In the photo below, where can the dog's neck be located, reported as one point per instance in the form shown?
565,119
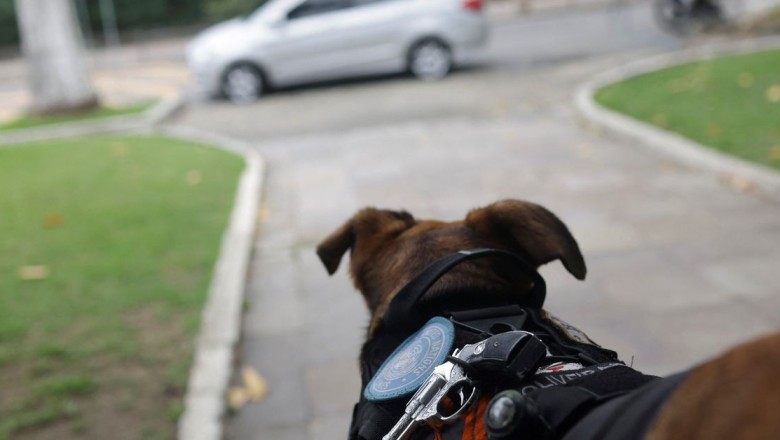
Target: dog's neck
444,298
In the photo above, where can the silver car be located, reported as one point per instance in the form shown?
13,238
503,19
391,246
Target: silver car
288,42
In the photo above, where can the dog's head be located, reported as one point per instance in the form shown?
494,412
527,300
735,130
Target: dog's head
388,248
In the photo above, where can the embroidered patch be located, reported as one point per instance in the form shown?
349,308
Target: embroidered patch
412,362
569,330
560,366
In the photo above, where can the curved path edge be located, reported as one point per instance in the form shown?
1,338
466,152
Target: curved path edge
204,403
154,115
749,175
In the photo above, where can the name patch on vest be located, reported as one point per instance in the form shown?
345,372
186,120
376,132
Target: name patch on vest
551,376
412,362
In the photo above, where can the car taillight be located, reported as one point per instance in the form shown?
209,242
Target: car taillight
473,5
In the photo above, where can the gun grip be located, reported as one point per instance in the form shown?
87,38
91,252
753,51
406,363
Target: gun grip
511,354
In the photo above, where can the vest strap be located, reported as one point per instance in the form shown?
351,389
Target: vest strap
403,317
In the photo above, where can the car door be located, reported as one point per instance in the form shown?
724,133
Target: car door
376,30
323,39
307,43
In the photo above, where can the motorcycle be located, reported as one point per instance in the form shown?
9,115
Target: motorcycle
687,17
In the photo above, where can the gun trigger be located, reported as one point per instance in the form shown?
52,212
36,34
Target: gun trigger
465,406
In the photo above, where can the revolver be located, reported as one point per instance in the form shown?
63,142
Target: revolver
451,389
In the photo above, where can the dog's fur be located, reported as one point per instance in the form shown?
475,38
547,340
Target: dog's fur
732,397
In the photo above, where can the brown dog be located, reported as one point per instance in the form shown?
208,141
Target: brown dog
733,397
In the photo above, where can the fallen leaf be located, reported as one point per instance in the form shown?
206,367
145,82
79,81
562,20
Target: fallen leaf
53,220
774,153
264,213
660,120
594,129
424,140
237,397
511,134
194,177
669,168
740,183
713,130
745,80
256,386
773,93
501,110
678,85
584,150
119,149
38,272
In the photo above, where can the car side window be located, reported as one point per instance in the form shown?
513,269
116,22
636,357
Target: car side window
367,2
316,7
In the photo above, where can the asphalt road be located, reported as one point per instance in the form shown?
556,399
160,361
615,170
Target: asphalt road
681,265
519,47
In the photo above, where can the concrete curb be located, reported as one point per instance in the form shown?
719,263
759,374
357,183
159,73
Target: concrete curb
153,116
685,150
204,404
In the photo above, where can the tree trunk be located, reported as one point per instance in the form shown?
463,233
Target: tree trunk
54,50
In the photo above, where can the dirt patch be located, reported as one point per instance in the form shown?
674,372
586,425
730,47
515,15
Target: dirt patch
138,392
181,278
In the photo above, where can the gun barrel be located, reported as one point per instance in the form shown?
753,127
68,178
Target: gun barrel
422,398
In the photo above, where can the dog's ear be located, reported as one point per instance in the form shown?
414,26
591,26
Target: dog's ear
538,233
365,230
335,246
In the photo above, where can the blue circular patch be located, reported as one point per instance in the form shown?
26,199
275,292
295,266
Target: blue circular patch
412,362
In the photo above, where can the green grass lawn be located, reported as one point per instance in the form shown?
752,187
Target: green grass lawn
106,250
731,104
103,112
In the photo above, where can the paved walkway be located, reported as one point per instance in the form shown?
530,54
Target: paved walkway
681,265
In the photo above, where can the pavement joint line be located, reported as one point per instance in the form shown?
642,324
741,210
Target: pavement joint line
669,143
220,328
150,117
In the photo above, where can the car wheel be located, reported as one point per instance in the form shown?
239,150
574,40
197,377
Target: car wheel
430,60
242,83
676,18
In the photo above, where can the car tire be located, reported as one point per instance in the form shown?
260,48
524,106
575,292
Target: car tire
430,60
679,20
243,83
